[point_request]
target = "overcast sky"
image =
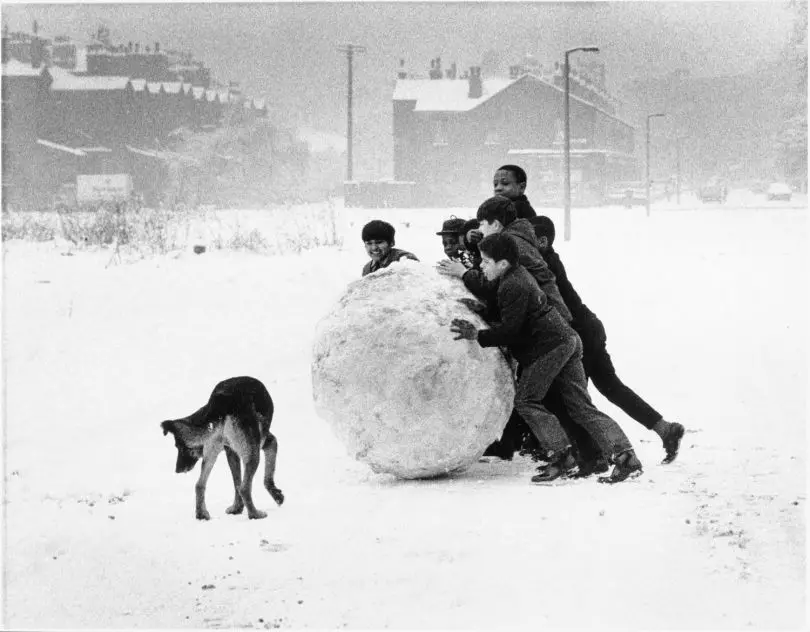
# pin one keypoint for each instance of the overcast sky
(287, 51)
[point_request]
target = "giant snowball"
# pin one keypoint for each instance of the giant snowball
(397, 389)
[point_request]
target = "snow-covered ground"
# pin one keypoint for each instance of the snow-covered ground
(707, 317)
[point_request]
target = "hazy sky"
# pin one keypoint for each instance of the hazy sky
(287, 51)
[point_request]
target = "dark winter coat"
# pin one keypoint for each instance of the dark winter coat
(395, 254)
(523, 207)
(529, 257)
(529, 326)
(584, 321)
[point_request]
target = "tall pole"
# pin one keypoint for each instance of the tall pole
(678, 170)
(647, 161)
(567, 140)
(567, 154)
(350, 50)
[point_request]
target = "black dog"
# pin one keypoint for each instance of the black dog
(237, 419)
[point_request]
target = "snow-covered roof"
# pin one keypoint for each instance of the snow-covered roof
(153, 87)
(16, 68)
(446, 95)
(172, 87)
(68, 81)
(138, 85)
(451, 95)
(59, 147)
(186, 88)
(198, 92)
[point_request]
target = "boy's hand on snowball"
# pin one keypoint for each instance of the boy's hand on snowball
(464, 329)
(451, 268)
(473, 305)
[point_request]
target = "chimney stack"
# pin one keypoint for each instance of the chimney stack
(476, 87)
(401, 74)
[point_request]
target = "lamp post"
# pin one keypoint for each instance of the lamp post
(678, 169)
(350, 50)
(567, 140)
(649, 116)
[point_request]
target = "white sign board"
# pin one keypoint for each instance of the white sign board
(103, 187)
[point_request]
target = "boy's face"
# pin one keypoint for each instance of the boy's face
(542, 243)
(490, 228)
(504, 183)
(377, 248)
(493, 269)
(451, 245)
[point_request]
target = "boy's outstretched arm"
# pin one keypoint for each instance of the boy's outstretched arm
(513, 305)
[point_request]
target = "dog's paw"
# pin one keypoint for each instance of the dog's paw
(257, 515)
(277, 495)
(203, 514)
(235, 509)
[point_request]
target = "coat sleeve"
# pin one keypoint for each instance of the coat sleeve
(513, 304)
(475, 281)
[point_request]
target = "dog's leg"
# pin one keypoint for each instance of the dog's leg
(209, 459)
(236, 472)
(270, 451)
(251, 458)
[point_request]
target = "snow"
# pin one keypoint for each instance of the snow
(706, 310)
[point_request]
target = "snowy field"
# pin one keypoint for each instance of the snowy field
(706, 310)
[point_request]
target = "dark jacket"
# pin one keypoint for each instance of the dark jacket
(523, 207)
(395, 254)
(529, 257)
(529, 327)
(583, 319)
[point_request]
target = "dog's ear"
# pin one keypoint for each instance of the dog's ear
(167, 427)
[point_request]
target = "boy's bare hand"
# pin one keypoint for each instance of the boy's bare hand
(473, 305)
(464, 329)
(451, 268)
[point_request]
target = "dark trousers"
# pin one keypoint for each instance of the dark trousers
(599, 368)
(562, 368)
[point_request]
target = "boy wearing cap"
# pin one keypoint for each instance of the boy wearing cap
(451, 234)
(595, 358)
(497, 214)
(378, 236)
(549, 353)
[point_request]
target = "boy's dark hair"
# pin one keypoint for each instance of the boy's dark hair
(497, 207)
(378, 230)
(520, 175)
(544, 227)
(470, 224)
(498, 247)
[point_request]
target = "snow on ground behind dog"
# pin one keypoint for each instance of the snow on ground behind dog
(707, 318)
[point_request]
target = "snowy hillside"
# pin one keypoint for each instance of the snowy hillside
(707, 318)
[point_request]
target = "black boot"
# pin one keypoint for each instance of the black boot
(561, 465)
(588, 468)
(626, 465)
(672, 442)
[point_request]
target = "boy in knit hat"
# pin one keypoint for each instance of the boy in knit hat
(549, 353)
(378, 236)
(596, 360)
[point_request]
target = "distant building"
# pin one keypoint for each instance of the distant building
(451, 134)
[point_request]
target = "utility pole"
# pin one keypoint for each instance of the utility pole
(647, 178)
(567, 139)
(350, 50)
(678, 169)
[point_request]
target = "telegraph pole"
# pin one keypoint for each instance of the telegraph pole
(350, 50)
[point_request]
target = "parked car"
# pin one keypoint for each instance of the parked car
(713, 191)
(779, 191)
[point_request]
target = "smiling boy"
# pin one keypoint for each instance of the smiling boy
(378, 237)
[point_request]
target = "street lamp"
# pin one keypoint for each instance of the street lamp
(567, 140)
(649, 116)
(678, 168)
